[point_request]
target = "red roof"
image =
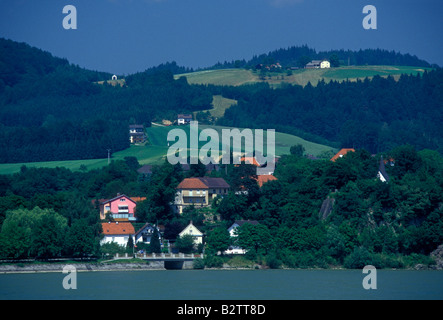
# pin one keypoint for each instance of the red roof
(203, 183)
(117, 228)
(341, 153)
(192, 183)
(250, 160)
(261, 179)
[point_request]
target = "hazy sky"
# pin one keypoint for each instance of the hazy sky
(127, 36)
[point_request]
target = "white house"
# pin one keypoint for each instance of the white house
(325, 64)
(184, 118)
(234, 249)
(118, 232)
(193, 231)
(318, 64)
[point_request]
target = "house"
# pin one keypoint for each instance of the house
(199, 191)
(184, 119)
(382, 174)
(342, 153)
(193, 231)
(262, 179)
(121, 208)
(234, 249)
(318, 64)
(118, 232)
(137, 133)
(144, 234)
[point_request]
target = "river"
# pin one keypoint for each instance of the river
(224, 285)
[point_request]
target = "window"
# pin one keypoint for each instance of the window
(122, 199)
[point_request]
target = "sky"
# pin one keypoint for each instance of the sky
(127, 36)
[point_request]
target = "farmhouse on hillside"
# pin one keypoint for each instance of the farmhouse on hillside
(184, 119)
(137, 133)
(318, 64)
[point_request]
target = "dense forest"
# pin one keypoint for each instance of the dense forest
(48, 213)
(298, 56)
(376, 114)
(51, 110)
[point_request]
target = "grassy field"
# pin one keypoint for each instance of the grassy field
(155, 151)
(236, 77)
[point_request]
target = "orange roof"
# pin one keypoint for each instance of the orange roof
(341, 153)
(261, 179)
(114, 228)
(138, 199)
(250, 160)
(192, 183)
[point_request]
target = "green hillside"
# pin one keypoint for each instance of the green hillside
(155, 151)
(236, 77)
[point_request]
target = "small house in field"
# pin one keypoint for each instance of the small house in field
(137, 133)
(318, 64)
(118, 232)
(184, 119)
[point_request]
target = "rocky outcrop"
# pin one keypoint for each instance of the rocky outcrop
(437, 255)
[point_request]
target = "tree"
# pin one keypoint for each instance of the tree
(154, 245)
(48, 234)
(130, 245)
(254, 237)
(297, 150)
(219, 239)
(333, 59)
(185, 243)
(80, 240)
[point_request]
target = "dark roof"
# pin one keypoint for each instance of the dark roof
(146, 169)
(117, 197)
(135, 126)
(184, 116)
(382, 169)
(242, 222)
(215, 182)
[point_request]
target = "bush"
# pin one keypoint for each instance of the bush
(213, 261)
(198, 263)
(273, 262)
(359, 258)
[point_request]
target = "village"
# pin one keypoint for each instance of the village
(119, 214)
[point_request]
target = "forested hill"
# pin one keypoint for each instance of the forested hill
(53, 110)
(376, 114)
(298, 56)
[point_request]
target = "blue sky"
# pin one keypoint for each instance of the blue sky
(127, 36)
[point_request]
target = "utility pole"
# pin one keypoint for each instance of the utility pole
(109, 156)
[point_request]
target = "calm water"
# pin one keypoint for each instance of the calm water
(225, 285)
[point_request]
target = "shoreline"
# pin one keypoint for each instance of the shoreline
(152, 266)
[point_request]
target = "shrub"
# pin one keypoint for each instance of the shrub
(198, 263)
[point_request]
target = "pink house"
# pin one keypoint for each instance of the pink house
(121, 207)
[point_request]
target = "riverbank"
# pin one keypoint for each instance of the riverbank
(80, 267)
